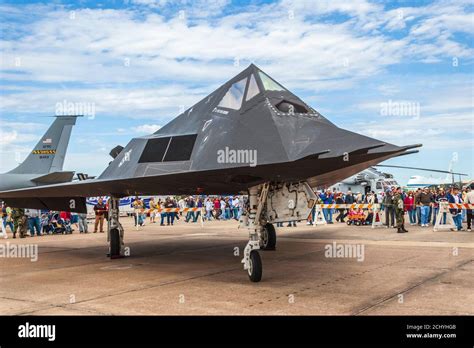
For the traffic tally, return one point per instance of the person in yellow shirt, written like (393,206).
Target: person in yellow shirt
(151,210)
(138,211)
(163,214)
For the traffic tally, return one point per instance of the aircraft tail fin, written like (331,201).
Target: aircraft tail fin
(49,153)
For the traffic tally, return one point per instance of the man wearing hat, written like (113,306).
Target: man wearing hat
(399,211)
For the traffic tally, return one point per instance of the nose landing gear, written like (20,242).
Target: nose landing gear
(252,261)
(255,266)
(269,203)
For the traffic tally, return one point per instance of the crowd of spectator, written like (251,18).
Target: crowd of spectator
(420,206)
(211,208)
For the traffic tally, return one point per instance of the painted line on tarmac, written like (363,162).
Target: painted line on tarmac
(411,287)
(380,242)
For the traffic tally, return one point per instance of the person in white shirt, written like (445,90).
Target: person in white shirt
(222,202)
(235,208)
(181,205)
(208,206)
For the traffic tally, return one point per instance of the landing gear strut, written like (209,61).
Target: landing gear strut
(115,230)
(252,261)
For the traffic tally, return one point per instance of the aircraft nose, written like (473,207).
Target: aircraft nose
(308,136)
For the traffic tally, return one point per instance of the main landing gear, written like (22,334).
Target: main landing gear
(115,230)
(268,237)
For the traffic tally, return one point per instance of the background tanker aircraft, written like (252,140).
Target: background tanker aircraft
(207,149)
(44,165)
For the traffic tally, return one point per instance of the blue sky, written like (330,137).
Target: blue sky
(140,63)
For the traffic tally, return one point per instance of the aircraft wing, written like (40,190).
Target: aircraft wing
(55,177)
(72,196)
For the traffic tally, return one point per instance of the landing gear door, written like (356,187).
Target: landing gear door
(289,202)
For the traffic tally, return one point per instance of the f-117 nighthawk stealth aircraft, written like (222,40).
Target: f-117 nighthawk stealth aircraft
(250,136)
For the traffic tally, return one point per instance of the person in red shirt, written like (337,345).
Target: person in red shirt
(217,207)
(409,206)
(65,215)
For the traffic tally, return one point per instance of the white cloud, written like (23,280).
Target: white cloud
(8,137)
(146,128)
(435,94)
(438,131)
(17,135)
(159,103)
(193,8)
(95,46)
(23,126)
(100,48)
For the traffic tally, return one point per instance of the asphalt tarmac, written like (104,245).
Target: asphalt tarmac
(186,269)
